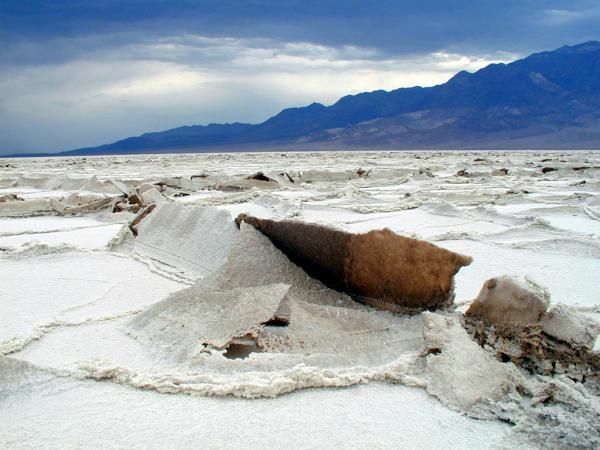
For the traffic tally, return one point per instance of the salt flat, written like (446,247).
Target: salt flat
(81,298)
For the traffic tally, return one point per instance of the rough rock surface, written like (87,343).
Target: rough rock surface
(379,268)
(509,300)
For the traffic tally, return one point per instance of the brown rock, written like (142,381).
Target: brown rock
(379,268)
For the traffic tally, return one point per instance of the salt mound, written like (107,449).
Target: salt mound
(188,241)
(289,331)
(255,261)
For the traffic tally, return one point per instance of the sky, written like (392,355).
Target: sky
(87,72)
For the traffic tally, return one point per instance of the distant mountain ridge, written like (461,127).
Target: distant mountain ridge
(548,100)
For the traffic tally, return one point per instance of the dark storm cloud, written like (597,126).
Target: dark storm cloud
(395,27)
(85,72)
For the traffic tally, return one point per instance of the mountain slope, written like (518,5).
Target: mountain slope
(547,100)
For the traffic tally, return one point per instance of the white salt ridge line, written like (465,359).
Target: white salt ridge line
(588,309)
(173,254)
(591,214)
(88,238)
(57,230)
(364,209)
(39,249)
(250,384)
(547,221)
(469,219)
(152,267)
(502,238)
(224,198)
(18,343)
(589,249)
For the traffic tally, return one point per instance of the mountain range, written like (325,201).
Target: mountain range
(548,100)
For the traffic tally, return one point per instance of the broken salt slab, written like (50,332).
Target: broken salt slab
(324,345)
(460,372)
(568,325)
(187,241)
(197,319)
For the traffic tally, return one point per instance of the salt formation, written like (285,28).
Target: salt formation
(185,240)
(379,268)
(135,199)
(10,198)
(250,323)
(293,332)
(65,183)
(150,194)
(258,180)
(566,324)
(71,204)
(191,322)
(461,373)
(506,299)
(509,316)
(510,323)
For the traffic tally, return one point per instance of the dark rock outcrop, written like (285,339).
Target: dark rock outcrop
(378,268)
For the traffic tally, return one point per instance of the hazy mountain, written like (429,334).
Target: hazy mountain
(547,100)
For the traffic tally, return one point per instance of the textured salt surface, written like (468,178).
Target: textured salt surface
(192,242)
(76,309)
(70,288)
(108,415)
(89,238)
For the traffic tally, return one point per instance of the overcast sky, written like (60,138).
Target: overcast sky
(87,72)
